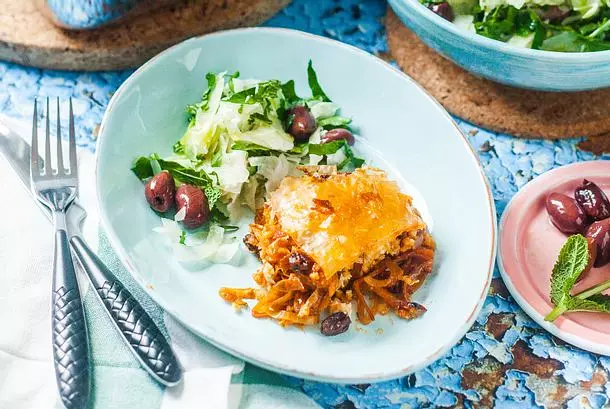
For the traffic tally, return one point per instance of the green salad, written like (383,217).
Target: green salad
(243,137)
(551,25)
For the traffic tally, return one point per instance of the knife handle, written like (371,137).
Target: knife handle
(70,344)
(136,327)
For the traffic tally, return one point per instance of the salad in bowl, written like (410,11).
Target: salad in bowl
(551,25)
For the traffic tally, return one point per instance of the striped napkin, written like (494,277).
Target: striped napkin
(213,379)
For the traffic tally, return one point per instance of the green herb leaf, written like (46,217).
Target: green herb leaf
(334,122)
(182,237)
(178,148)
(572,260)
(571,41)
(252,148)
(141,167)
(259,117)
(289,93)
(231,78)
(213,195)
(351,162)
(229,229)
(326,148)
(242,97)
(314,85)
(219,214)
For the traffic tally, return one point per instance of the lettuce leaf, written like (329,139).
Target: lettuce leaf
(314,85)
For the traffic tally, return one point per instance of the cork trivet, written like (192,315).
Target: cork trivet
(523,113)
(28,38)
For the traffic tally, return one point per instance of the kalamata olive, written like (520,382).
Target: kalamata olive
(302,124)
(565,213)
(338,134)
(599,232)
(335,324)
(592,200)
(159,191)
(442,9)
(196,203)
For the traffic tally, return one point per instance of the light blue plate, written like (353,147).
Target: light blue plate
(404,131)
(505,63)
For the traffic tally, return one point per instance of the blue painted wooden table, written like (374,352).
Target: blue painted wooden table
(506,360)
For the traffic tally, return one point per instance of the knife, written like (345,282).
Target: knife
(137,329)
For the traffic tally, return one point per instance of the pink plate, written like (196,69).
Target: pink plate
(529,245)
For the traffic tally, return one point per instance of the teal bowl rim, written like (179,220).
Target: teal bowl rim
(255,359)
(416,6)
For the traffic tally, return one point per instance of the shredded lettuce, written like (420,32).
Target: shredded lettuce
(273,169)
(237,150)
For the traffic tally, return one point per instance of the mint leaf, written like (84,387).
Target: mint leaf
(314,85)
(571,262)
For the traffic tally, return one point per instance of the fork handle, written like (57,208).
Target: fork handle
(138,330)
(70,344)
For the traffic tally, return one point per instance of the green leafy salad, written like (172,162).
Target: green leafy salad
(242,139)
(552,25)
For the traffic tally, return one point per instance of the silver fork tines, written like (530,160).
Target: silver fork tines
(56,188)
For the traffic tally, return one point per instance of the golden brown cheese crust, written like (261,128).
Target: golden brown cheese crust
(345,218)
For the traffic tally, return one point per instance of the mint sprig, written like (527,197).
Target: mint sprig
(571,263)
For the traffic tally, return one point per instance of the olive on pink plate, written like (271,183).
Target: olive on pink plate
(565,213)
(599,233)
(592,200)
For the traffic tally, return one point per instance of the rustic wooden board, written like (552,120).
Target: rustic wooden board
(28,38)
(519,112)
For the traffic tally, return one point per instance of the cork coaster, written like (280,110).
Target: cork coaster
(28,38)
(522,113)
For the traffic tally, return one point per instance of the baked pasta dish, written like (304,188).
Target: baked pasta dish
(333,246)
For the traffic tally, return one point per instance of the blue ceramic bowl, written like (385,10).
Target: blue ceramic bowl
(501,62)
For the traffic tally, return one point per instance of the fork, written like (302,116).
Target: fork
(56,189)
